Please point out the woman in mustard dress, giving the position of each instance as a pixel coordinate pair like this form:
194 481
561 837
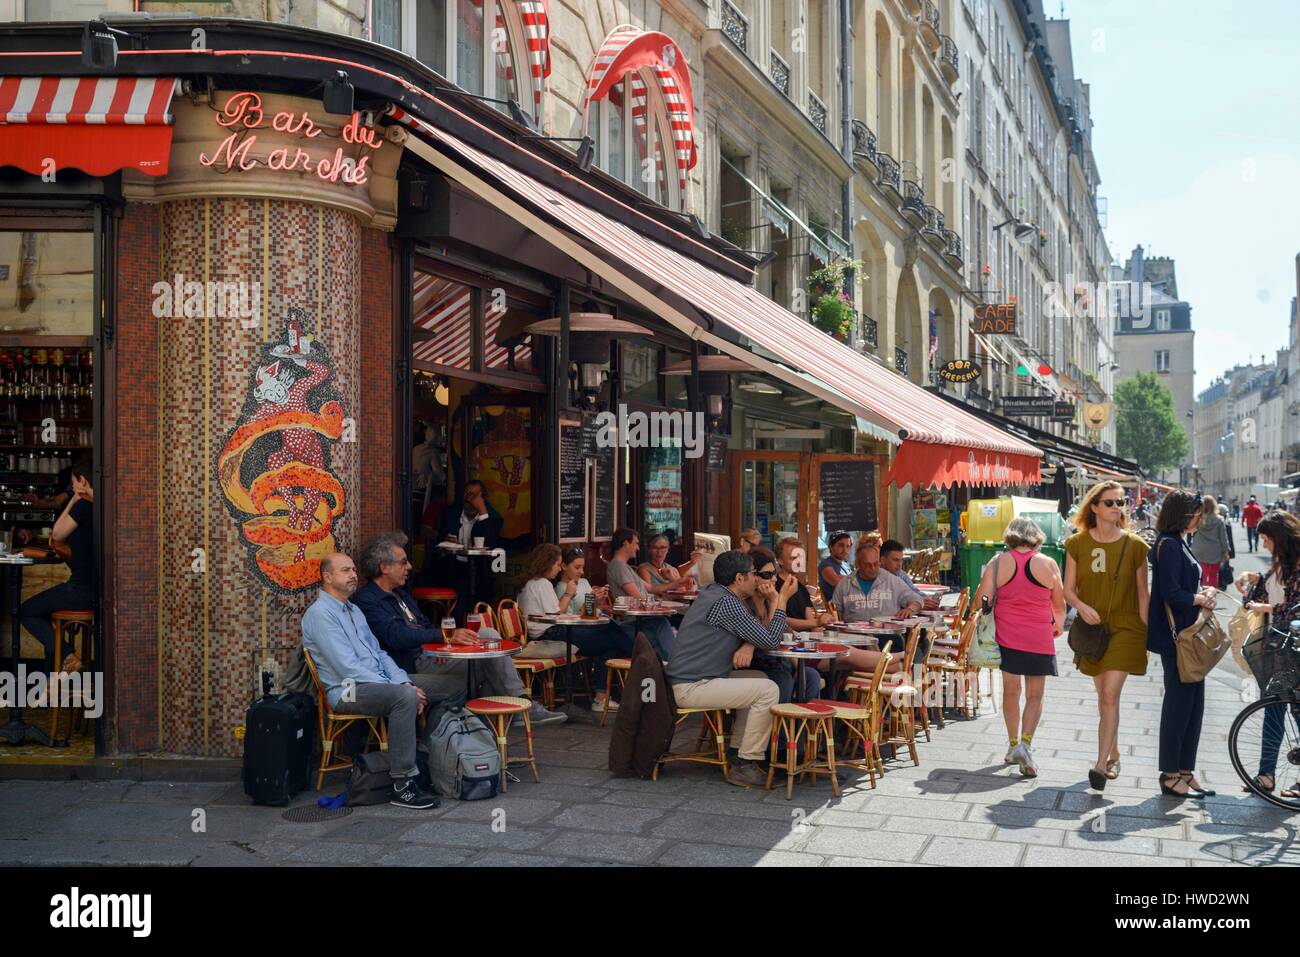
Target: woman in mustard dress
1106 580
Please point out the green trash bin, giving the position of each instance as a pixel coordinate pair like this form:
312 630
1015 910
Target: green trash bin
974 556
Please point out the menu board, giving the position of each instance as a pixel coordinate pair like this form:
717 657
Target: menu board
572 484
716 453
848 495
604 493
589 433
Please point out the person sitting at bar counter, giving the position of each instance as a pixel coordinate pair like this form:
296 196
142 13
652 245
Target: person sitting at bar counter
871 592
835 566
624 581
716 646
473 518
402 629
361 678
74 528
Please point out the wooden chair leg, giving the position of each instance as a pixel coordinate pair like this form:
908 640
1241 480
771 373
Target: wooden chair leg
528 737
501 746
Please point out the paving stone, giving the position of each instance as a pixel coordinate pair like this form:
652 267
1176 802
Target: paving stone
422 855
1074 857
963 852
873 845
735 831
864 862
773 811
335 853
882 805
1088 839
616 848
1195 850
504 859
920 825
464 834
370 830
715 855
518 810
643 799
606 817
1030 835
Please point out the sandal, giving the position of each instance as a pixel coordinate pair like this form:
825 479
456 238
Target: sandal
1292 792
1096 780
1174 778
1194 790
1112 769
1259 783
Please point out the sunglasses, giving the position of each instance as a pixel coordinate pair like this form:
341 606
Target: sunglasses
1112 502
767 575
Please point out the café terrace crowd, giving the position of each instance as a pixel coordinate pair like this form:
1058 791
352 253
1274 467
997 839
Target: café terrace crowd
783 660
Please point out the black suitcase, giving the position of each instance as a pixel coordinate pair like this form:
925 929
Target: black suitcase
278 732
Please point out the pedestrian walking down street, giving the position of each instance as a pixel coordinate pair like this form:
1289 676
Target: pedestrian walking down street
1106 569
1251 516
1029 614
1210 542
1178 591
1272 594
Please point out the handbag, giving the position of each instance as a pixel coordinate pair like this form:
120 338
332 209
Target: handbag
984 651
1091 641
1241 628
1199 646
1225 576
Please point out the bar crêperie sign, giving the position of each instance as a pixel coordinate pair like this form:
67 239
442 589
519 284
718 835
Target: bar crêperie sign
244 116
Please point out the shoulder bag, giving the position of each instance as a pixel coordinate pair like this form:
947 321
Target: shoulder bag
1091 641
1199 646
984 651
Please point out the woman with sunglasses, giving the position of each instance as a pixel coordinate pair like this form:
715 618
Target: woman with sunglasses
763 606
1106 583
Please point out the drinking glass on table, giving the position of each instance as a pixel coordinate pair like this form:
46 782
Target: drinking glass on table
448 628
474 622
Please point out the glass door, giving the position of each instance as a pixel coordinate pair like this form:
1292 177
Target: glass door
768 494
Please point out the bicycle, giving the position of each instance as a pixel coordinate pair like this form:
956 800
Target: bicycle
1270 727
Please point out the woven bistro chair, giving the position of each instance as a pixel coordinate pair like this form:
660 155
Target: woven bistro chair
704 753
813 721
486 614
333 724
861 718
500 712
900 698
511 625
950 662
441 599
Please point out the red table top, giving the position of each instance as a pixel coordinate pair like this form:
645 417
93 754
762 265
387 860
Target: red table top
444 649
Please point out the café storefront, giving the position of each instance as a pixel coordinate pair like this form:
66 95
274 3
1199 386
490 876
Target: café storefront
311 326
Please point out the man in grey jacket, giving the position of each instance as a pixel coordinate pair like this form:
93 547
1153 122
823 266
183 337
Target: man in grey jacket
871 592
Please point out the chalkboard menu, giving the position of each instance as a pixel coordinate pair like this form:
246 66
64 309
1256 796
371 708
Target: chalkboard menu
848 495
589 432
604 493
572 483
716 453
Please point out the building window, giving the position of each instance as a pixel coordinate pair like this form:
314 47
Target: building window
1162 360
624 147
1162 320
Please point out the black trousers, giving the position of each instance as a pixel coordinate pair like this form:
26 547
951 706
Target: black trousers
1181 713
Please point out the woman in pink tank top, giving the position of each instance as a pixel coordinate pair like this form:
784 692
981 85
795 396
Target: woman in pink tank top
1029 611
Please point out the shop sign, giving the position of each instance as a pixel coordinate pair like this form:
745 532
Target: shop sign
1064 412
1028 405
243 115
994 319
959 370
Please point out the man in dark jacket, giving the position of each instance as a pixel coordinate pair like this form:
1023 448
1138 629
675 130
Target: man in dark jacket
643 727
401 629
473 518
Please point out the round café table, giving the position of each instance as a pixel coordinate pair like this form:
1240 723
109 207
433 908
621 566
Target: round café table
567 622
472 653
797 654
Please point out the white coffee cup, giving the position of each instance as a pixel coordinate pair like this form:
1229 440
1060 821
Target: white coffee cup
479 541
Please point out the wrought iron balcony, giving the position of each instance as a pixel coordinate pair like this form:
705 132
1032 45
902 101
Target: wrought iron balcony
934 227
890 175
952 247
949 62
870 332
817 112
780 73
735 25
864 142
900 361
930 24
914 201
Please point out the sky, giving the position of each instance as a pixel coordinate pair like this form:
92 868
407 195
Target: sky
1196 133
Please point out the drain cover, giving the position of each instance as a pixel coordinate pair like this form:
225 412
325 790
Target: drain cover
310 814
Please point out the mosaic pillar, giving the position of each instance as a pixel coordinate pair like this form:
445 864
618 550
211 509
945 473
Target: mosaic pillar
258 450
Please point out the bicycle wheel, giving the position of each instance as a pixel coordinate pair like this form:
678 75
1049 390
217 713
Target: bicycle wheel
1269 729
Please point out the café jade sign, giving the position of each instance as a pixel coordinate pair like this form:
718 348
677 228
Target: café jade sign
244 115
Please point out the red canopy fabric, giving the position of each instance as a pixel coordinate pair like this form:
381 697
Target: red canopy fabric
922 464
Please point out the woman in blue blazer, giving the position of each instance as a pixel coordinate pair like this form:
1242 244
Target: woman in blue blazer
1174 583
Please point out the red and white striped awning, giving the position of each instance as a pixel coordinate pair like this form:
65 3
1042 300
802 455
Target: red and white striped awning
942 444
628 49
537 34
98 125
443 309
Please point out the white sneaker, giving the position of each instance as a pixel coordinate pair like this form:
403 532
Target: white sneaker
604 703
1012 755
1028 766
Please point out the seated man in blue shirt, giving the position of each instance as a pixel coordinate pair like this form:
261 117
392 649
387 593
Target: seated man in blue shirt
359 678
402 628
